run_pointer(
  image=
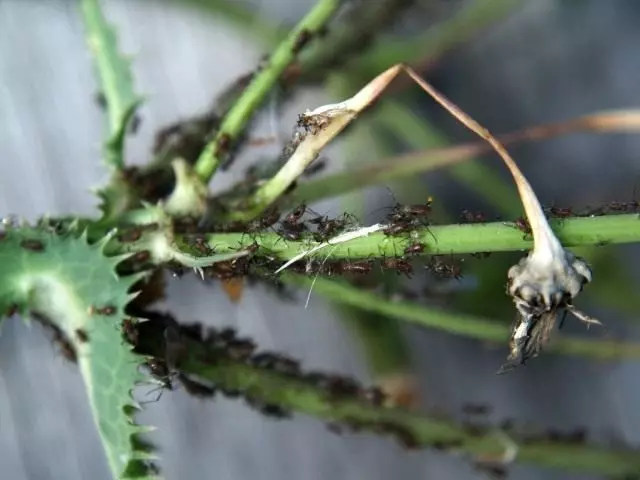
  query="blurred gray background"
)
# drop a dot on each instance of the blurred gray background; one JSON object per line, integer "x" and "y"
{"x": 551, "y": 60}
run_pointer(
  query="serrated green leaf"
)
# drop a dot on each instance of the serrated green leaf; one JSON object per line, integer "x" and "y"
{"x": 75, "y": 287}
{"x": 114, "y": 74}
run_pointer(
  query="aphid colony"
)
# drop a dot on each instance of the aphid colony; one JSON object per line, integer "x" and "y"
{"x": 302, "y": 224}
{"x": 223, "y": 345}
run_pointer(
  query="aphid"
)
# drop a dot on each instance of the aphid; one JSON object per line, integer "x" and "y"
{"x": 295, "y": 215}
{"x": 201, "y": 244}
{"x": 227, "y": 334}
{"x": 399, "y": 265}
{"x": 314, "y": 123}
{"x": 82, "y": 335}
{"x": 374, "y": 395}
{"x": 414, "y": 249}
{"x": 264, "y": 360}
{"x": 559, "y": 212}
{"x": 362, "y": 267}
{"x": 129, "y": 331}
{"x": 472, "y": 217}
{"x": 304, "y": 36}
{"x": 340, "y": 386}
{"x": 275, "y": 411}
{"x": 130, "y": 235}
{"x": 329, "y": 228}
{"x": 395, "y": 229}
{"x": 33, "y": 245}
{"x": 622, "y": 206}
{"x": 66, "y": 348}
{"x": 316, "y": 167}
{"x": 444, "y": 269}
{"x": 108, "y": 310}
{"x": 292, "y": 231}
{"x": 285, "y": 365}
{"x": 269, "y": 218}
{"x": 196, "y": 389}
{"x": 403, "y": 211}
{"x": 223, "y": 144}
{"x": 522, "y": 224}
{"x": 237, "y": 267}
{"x": 141, "y": 257}
{"x": 134, "y": 125}
{"x": 240, "y": 349}
{"x": 292, "y": 186}
{"x": 100, "y": 99}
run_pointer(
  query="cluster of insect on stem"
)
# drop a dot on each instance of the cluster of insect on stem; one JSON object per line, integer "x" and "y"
{"x": 223, "y": 346}
{"x": 218, "y": 346}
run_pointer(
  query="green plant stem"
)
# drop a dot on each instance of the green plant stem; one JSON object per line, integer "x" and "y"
{"x": 115, "y": 78}
{"x": 439, "y": 240}
{"x": 295, "y": 393}
{"x": 458, "y": 324}
{"x": 242, "y": 111}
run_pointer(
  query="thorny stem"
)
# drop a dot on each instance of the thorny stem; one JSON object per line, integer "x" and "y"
{"x": 404, "y": 165}
{"x": 294, "y": 393}
{"x": 240, "y": 114}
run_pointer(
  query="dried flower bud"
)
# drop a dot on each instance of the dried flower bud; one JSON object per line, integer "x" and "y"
{"x": 549, "y": 278}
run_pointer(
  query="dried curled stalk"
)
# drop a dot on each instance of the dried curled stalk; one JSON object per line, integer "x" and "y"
{"x": 549, "y": 278}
